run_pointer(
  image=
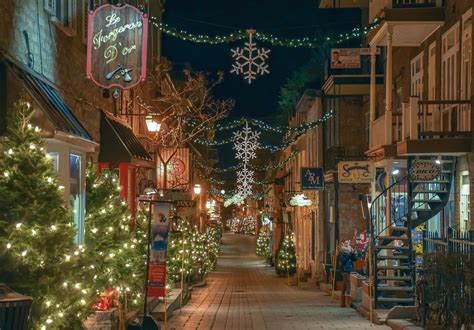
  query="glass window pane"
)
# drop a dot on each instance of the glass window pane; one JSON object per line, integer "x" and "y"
{"x": 76, "y": 195}
{"x": 55, "y": 158}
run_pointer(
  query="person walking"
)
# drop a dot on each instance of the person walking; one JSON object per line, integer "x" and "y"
{"x": 346, "y": 260}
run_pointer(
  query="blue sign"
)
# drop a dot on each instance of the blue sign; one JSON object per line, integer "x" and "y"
{"x": 312, "y": 178}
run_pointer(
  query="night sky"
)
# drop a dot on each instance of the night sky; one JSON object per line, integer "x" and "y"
{"x": 285, "y": 18}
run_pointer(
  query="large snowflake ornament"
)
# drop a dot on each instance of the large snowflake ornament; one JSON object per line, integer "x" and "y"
{"x": 246, "y": 144}
{"x": 250, "y": 61}
{"x": 245, "y": 181}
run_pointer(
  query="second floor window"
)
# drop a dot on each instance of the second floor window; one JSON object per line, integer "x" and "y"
{"x": 416, "y": 70}
{"x": 63, "y": 14}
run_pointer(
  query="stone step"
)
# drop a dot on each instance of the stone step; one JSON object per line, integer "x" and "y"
{"x": 396, "y": 257}
{"x": 399, "y": 238}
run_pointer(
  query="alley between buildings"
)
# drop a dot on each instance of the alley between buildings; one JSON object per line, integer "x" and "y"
{"x": 244, "y": 293}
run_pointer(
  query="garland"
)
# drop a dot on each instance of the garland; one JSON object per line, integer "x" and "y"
{"x": 305, "y": 42}
{"x": 299, "y": 130}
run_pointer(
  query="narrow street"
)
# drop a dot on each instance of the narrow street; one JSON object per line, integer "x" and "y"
{"x": 243, "y": 293}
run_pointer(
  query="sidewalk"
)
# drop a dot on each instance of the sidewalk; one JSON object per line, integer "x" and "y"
{"x": 243, "y": 293}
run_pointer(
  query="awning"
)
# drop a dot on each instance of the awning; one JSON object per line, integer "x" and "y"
{"x": 50, "y": 102}
{"x": 118, "y": 143}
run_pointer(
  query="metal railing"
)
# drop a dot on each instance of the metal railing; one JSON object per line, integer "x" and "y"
{"x": 445, "y": 296}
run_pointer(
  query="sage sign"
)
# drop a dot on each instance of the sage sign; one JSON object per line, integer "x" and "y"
{"x": 423, "y": 170}
{"x": 117, "y": 46}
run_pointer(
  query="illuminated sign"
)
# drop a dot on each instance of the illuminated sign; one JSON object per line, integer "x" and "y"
{"x": 117, "y": 46}
{"x": 300, "y": 200}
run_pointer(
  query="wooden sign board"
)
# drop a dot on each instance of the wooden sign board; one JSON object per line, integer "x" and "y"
{"x": 422, "y": 170}
{"x": 185, "y": 203}
{"x": 355, "y": 172}
{"x": 117, "y": 46}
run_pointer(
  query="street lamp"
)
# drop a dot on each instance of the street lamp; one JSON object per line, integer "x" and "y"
{"x": 197, "y": 189}
{"x": 152, "y": 125}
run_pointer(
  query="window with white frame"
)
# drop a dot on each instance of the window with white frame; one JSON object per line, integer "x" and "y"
{"x": 466, "y": 63}
{"x": 416, "y": 71}
{"x": 449, "y": 77}
{"x": 63, "y": 14}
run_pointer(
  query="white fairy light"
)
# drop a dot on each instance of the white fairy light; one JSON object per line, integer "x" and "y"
{"x": 24, "y": 253}
{"x": 9, "y": 246}
{"x": 18, "y": 225}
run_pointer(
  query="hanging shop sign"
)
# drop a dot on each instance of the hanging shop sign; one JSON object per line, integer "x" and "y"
{"x": 355, "y": 172}
{"x": 423, "y": 170}
{"x": 312, "y": 178}
{"x": 117, "y": 46}
{"x": 300, "y": 200}
{"x": 159, "y": 248}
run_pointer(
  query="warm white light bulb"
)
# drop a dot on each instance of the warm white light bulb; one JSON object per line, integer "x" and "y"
{"x": 9, "y": 246}
{"x": 24, "y": 253}
{"x": 18, "y": 225}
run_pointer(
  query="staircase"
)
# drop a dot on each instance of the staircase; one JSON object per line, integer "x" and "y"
{"x": 406, "y": 204}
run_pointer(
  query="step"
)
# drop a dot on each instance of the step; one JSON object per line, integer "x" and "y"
{"x": 393, "y": 267}
{"x": 394, "y": 278}
{"x": 385, "y": 247}
{"x": 404, "y": 257}
{"x": 439, "y": 181}
{"x": 427, "y": 200}
{"x": 399, "y": 238}
{"x": 396, "y": 300}
{"x": 396, "y": 288}
{"x": 405, "y": 229}
{"x": 430, "y": 192}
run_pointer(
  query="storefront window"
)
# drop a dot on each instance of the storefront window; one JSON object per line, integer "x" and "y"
{"x": 76, "y": 198}
{"x": 55, "y": 158}
{"x": 464, "y": 201}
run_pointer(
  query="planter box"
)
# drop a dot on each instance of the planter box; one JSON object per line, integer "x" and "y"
{"x": 366, "y": 298}
{"x": 356, "y": 287}
{"x": 102, "y": 320}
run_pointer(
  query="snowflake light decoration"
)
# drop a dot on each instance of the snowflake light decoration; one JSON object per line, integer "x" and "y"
{"x": 245, "y": 180}
{"x": 246, "y": 144}
{"x": 250, "y": 61}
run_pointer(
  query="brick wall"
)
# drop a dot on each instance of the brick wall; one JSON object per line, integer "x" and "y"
{"x": 350, "y": 214}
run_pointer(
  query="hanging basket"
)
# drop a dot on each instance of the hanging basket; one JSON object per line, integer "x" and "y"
{"x": 14, "y": 309}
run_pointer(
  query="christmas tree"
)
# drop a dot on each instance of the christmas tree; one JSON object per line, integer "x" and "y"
{"x": 115, "y": 257}
{"x": 248, "y": 225}
{"x": 286, "y": 257}
{"x": 263, "y": 244}
{"x": 37, "y": 250}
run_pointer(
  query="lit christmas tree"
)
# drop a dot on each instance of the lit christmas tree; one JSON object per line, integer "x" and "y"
{"x": 248, "y": 226}
{"x": 286, "y": 257}
{"x": 37, "y": 250}
{"x": 263, "y": 244}
{"x": 115, "y": 256}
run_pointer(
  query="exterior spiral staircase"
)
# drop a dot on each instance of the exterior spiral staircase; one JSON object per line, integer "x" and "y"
{"x": 410, "y": 203}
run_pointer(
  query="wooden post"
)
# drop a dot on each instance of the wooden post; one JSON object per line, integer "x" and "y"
{"x": 334, "y": 269}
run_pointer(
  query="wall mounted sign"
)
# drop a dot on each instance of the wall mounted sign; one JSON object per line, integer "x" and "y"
{"x": 159, "y": 248}
{"x": 117, "y": 46}
{"x": 312, "y": 178}
{"x": 423, "y": 170}
{"x": 300, "y": 200}
{"x": 345, "y": 58}
{"x": 355, "y": 172}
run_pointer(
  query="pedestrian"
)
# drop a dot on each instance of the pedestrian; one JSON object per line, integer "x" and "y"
{"x": 345, "y": 261}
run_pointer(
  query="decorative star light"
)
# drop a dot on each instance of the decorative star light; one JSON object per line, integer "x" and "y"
{"x": 250, "y": 61}
{"x": 246, "y": 144}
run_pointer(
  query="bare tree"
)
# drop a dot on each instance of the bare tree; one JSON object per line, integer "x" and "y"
{"x": 185, "y": 108}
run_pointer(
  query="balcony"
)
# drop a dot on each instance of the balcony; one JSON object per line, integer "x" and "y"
{"x": 440, "y": 127}
{"x": 335, "y": 154}
{"x": 352, "y": 81}
{"x": 385, "y": 131}
{"x": 410, "y": 21}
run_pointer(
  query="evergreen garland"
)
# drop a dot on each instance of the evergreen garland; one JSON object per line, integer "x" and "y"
{"x": 286, "y": 256}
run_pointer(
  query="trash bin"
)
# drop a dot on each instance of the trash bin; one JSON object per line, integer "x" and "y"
{"x": 14, "y": 309}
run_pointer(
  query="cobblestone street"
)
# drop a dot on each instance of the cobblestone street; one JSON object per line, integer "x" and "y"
{"x": 243, "y": 293}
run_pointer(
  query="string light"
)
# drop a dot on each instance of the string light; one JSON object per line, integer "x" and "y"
{"x": 306, "y": 42}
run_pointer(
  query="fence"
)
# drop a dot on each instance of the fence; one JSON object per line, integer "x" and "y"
{"x": 447, "y": 279}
